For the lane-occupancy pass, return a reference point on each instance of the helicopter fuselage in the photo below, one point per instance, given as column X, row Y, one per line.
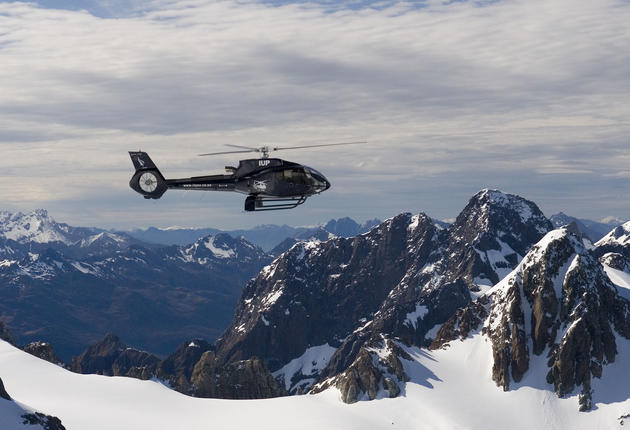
column 264, row 179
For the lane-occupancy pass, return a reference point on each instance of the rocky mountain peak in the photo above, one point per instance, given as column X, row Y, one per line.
column 36, row 226
column 500, row 228
column 318, row 315
column 618, row 236
column 221, row 247
column 500, row 214
column 557, row 309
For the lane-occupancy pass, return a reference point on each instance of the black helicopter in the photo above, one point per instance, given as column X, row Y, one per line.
column 270, row 183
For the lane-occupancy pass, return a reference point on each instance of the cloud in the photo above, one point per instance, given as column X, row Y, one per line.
column 452, row 97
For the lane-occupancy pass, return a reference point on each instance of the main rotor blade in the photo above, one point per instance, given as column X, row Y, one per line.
column 224, row 152
column 315, row 146
column 243, row 147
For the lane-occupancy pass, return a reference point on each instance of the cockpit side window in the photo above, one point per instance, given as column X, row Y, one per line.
column 295, row 176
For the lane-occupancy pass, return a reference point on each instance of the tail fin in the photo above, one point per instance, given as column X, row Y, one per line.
column 142, row 161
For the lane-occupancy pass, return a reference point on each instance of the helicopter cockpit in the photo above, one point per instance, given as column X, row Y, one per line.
column 304, row 176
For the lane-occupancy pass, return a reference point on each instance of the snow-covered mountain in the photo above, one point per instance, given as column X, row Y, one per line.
column 557, row 317
column 36, row 227
column 70, row 286
column 435, row 322
column 619, row 236
column 323, row 312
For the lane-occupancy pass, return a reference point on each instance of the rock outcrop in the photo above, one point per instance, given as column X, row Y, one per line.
column 111, row 357
column 558, row 304
column 192, row 369
column 44, row 351
column 177, row 368
column 47, row 422
column 5, row 334
column 3, row 392
column 246, row 379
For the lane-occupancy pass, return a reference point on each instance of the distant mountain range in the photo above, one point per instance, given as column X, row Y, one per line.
column 594, row 230
column 72, row 285
column 265, row 236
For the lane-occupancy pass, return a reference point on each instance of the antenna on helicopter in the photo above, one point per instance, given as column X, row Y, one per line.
column 265, row 150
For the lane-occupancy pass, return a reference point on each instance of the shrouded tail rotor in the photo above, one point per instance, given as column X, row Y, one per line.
column 147, row 180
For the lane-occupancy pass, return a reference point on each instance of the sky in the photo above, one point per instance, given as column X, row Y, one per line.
column 531, row 97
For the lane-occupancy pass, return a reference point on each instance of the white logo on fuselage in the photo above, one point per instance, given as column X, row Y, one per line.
column 260, row 185
column 263, row 163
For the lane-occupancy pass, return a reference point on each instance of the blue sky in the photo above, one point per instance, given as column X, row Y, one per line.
column 530, row 97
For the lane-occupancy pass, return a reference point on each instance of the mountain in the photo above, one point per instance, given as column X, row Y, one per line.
column 594, row 230
column 320, row 312
column 347, row 227
column 557, row 318
column 266, row 236
column 171, row 236
column 39, row 227
column 318, row 234
column 69, row 286
column 495, row 321
column 614, row 249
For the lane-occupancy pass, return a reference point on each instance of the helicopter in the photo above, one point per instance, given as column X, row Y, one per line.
column 270, row 183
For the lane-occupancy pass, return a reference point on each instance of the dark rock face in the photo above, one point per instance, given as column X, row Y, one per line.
column 589, row 342
column 192, row 369
column 5, row 334
column 377, row 364
column 616, row 261
column 561, row 300
column 111, row 357
column 315, row 293
column 247, row 379
column 45, row 421
column 3, row 392
column 44, row 351
column 398, row 281
column 177, row 369
column 462, row 323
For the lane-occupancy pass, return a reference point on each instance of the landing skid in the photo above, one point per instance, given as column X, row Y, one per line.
column 259, row 204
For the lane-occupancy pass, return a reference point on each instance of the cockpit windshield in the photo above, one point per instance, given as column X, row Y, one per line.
column 303, row 176
column 315, row 173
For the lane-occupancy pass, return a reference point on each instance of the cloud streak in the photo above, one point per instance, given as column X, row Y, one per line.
column 528, row 96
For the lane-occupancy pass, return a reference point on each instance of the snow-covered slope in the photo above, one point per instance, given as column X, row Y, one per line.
column 618, row 236
column 36, row 226
column 450, row 389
